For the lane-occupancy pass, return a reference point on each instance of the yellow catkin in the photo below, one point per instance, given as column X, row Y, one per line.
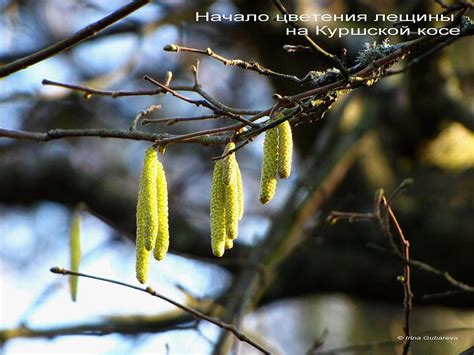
column 229, row 243
column 217, row 211
column 240, row 192
column 142, row 259
column 228, row 173
column 75, row 250
column 147, row 209
column 269, row 172
column 163, row 238
column 285, row 149
column 232, row 208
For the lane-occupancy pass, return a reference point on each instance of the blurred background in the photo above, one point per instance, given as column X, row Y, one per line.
column 301, row 275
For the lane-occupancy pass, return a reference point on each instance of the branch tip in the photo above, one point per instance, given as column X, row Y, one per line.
column 57, row 270
column 171, row 48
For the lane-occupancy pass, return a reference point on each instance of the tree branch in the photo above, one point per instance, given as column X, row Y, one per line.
column 55, row 134
column 461, row 286
column 228, row 327
column 172, row 120
column 87, row 32
column 254, row 66
column 122, row 325
column 278, row 4
column 406, row 280
column 376, row 345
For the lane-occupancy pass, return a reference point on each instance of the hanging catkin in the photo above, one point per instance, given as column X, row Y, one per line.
column 217, row 211
column 268, row 180
column 229, row 178
column 163, row 237
column 75, row 252
column 229, row 243
column 147, row 214
column 228, row 173
column 285, row 149
column 142, row 259
column 147, row 209
column 240, row 191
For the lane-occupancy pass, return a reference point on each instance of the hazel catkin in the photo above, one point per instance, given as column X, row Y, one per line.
column 217, row 211
column 163, row 236
column 231, row 196
column 229, row 165
column 231, row 210
column 75, row 252
column 229, row 243
column 147, row 208
column 269, row 171
column 142, row 259
column 147, row 214
column 240, row 191
column 285, row 149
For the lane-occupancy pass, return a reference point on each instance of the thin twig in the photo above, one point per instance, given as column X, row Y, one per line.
column 419, row 58
column 133, row 125
column 318, row 342
column 224, row 108
column 118, row 93
column 406, row 280
column 172, row 120
column 428, row 268
column 374, row 347
column 199, row 103
column 278, row 4
column 169, row 90
column 229, row 327
column 88, row 91
column 254, row 66
column 335, row 216
column 442, row 4
column 430, row 296
column 232, row 151
column 383, row 221
column 85, row 33
column 400, row 188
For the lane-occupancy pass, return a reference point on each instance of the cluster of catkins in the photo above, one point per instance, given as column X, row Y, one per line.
column 277, row 154
column 226, row 202
column 152, row 214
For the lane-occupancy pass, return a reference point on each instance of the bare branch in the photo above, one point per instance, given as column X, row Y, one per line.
column 87, row 32
column 376, row 345
column 360, row 76
column 55, row 134
column 110, row 325
column 119, row 93
column 172, row 120
column 229, row 327
column 461, row 286
column 406, row 280
column 278, row 4
column 383, row 222
column 254, row 66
